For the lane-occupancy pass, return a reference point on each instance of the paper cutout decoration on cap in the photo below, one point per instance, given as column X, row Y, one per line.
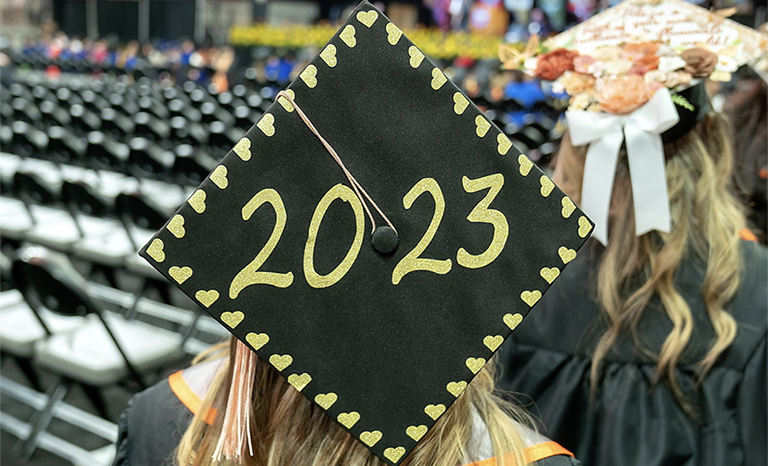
column 676, row 24
column 281, row 254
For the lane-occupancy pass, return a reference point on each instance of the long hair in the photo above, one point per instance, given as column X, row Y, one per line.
column 706, row 218
column 290, row 430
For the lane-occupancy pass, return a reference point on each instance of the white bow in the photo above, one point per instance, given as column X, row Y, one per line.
column 642, row 130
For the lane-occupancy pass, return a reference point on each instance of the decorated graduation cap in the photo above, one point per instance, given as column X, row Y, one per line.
column 373, row 236
column 635, row 74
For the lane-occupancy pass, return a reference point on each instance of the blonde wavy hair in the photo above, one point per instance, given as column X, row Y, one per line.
column 289, row 430
column 706, row 219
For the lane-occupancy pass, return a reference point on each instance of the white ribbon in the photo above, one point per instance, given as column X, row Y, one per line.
column 642, row 130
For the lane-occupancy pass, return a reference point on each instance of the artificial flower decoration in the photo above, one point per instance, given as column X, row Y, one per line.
column 552, row 65
column 622, row 95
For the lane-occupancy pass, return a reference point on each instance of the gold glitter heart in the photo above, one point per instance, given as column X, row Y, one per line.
column 530, row 297
column 549, row 274
column 232, row 319
column 456, row 388
column 566, row 255
column 257, row 340
column 546, row 185
column 281, row 362
column 370, row 438
column 475, row 364
column 525, row 164
column 493, row 342
column 243, row 149
column 176, row 226
column 309, row 76
column 326, row 400
column 207, row 298
column 267, row 124
column 394, row 454
column 219, row 177
column 438, row 79
column 348, row 36
column 299, row 381
column 512, row 320
column 393, row 34
column 416, row 432
column 416, row 56
column 155, row 250
column 568, row 207
column 435, row 411
column 329, row 55
column 584, row 226
column 180, row 274
column 287, row 105
column 348, row 419
column 460, row 103
column 481, row 126
column 504, row 144
column 367, row 17
column 197, row 201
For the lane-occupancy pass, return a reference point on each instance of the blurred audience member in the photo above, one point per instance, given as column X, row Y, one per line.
column 748, row 109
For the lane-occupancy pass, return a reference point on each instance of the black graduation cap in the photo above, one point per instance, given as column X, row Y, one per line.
column 276, row 243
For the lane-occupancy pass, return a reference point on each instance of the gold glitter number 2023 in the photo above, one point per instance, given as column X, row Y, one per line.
column 344, row 193
column 412, row 262
column 250, row 274
column 481, row 213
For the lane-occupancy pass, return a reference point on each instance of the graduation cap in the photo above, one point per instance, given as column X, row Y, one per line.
column 635, row 74
column 373, row 236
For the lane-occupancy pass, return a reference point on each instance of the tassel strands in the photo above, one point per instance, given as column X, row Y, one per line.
column 236, row 430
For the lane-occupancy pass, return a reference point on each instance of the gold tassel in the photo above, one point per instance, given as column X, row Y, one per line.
column 236, row 430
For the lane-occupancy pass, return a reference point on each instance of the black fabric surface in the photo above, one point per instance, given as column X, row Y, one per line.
column 631, row 423
column 151, row 428
column 696, row 96
column 386, row 350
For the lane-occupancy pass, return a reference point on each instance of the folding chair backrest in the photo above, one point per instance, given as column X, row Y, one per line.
column 64, row 146
column 148, row 160
column 49, row 282
column 104, row 152
column 31, row 189
column 6, row 281
column 190, row 167
column 135, row 209
column 81, row 197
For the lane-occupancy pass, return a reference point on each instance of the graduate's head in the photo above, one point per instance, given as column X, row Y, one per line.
column 288, row 429
column 698, row 170
column 706, row 219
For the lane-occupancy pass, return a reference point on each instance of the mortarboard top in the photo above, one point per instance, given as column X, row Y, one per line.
column 678, row 24
column 277, row 246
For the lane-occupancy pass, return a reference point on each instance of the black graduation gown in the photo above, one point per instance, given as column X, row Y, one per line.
column 631, row 422
column 156, row 419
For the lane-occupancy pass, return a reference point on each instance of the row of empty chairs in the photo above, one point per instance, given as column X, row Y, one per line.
column 51, row 323
column 78, row 192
